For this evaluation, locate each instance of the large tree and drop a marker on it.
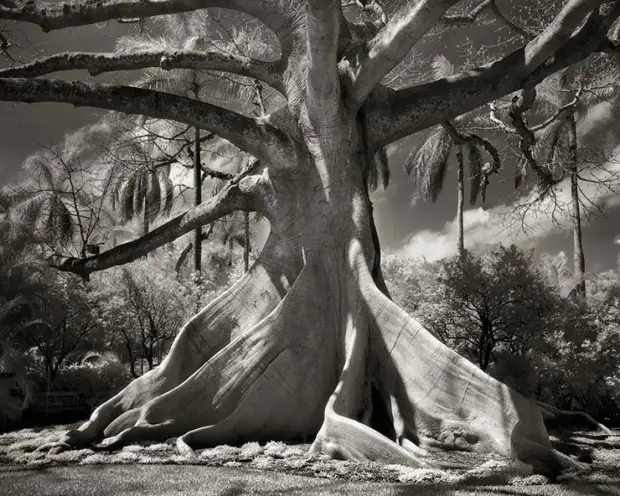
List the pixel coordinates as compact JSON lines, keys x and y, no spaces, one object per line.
{"x":306,"y":344}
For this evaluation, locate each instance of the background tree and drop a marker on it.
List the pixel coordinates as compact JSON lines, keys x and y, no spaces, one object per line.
{"x":497,"y":303}
{"x":553,"y":148}
{"x":59,"y":202}
{"x":23,"y":303}
{"x":143,"y":307}
{"x":71,"y":329}
{"x":428,"y":164}
{"x":317,"y":285}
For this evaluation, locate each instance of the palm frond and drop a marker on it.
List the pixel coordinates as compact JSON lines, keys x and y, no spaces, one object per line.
{"x":38,"y":168}
{"x":520,"y":172}
{"x":428,"y":164}
{"x":178,"y":81}
{"x":60,"y":220}
{"x":139,"y":193}
{"x":153,"y":196}
{"x":379,"y":171}
{"x":28,"y":211}
{"x":127,"y":210}
{"x":442,"y":67}
{"x":138,"y":43}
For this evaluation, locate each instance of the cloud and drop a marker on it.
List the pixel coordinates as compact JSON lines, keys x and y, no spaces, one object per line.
{"x":523,"y":221}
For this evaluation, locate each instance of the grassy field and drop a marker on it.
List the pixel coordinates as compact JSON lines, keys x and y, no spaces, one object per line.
{"x":277,"y":468}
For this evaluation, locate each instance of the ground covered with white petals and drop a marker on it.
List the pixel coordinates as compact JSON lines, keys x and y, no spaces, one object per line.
{"x":19,"y":449}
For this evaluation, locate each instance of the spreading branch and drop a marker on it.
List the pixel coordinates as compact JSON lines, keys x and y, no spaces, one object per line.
{"x":395,"y":114}
{"x":99,"y":63}
{"x":392,"y":44}
{"x":241,"y":193}
{"x":278,"y":15}
{"x":252,"y":135}
{"x":473,"y":15}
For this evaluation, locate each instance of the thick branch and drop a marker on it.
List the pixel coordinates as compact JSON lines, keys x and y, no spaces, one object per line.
{"x":99,"y":63}
{"x":557,"y":33}
{"x":395,"y":114}
{"x":472,"y":16}
{"x":395,"y":41}
{"x":250,"y":134}
{"x":240,"y":194}
{"x":279,"y":15}
{"x":323,"y":84}
{"x":466,"y":19}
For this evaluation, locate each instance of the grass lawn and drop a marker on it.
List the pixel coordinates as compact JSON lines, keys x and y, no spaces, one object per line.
{"x":277,"y":468}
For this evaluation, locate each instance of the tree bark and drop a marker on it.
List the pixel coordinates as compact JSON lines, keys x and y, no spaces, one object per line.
{"x":578,"y":253}
{"x":460,"y":202}
{"x":246,"y":243}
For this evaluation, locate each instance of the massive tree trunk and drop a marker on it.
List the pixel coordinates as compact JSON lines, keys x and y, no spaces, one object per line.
{"x":307,"y":344}
{"x":253,"y":364}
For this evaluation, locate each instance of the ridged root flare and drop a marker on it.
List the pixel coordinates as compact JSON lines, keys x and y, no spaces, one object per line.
{"x":330,"y":359}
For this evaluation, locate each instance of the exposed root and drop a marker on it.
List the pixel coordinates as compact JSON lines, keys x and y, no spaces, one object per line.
{"x":342,"y":435}
{"x":554,"y":417}
{"x":269,"y":383}
{"x":439,"y":399}
{"x":331,"y":355}
{"x":231,"y":315}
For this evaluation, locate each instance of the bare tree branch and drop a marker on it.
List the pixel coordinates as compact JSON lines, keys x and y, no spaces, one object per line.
{"x":250,"y":134}
{"x":99,"y":63}
{"x":395,"y":114}
{"x":395,"y":41}
{"x":241,"y":193}
{"x":466,"y":19}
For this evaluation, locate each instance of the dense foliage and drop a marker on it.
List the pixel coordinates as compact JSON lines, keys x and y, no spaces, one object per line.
{"x":502,"y":312}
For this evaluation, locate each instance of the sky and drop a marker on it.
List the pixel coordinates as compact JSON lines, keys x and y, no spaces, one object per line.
{"x":411,"y":227}
{"x":406,"y":225}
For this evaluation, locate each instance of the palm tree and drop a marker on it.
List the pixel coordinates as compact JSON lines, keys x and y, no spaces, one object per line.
{"x":146,"y":191}
{"x":429,"y":163}
{"x":46,"y":201}
{"x":192,"y":31}
{"x":60,"y":201}
{"x":559,"y":141}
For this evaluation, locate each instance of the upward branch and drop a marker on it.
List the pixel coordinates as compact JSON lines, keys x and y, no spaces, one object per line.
{"x":392,"y":44}
{"x":323,"y":82}
{"x":253,"y":135}
{"x":557,"y":33}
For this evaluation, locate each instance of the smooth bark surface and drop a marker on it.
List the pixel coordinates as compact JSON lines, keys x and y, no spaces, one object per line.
{"x":307,"y":346}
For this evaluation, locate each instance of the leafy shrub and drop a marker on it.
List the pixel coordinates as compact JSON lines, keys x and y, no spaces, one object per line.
{"x":93,"y":381}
